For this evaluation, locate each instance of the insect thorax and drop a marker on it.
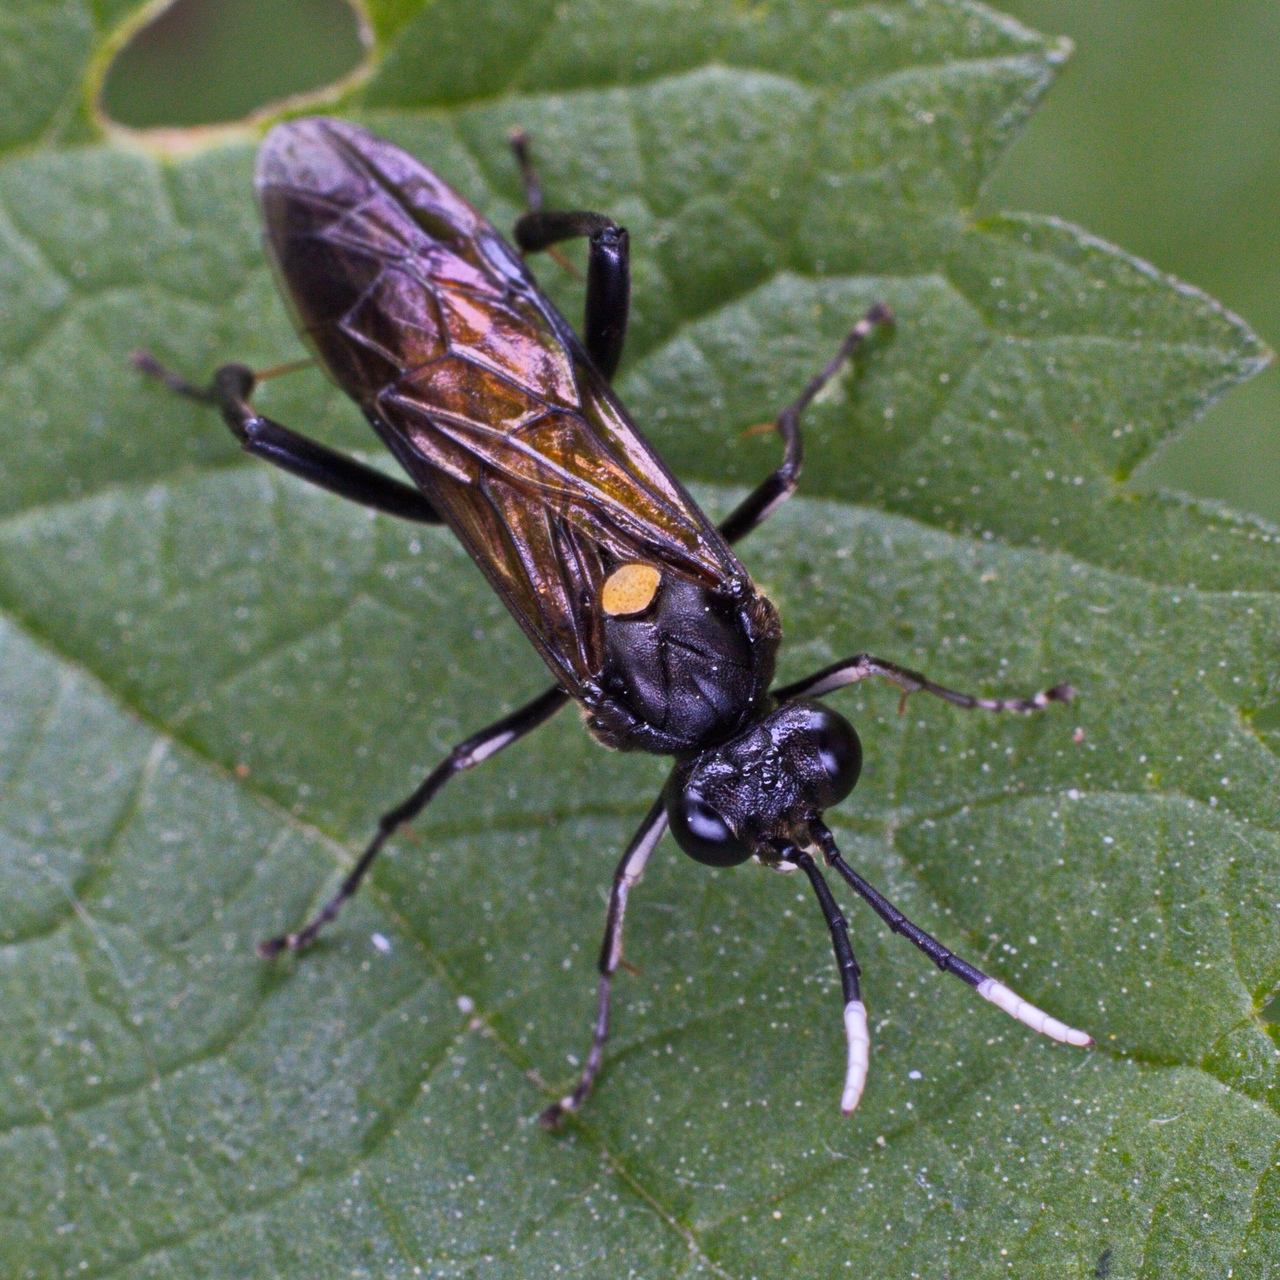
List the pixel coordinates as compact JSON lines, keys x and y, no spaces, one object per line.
{"x":687,"y":673}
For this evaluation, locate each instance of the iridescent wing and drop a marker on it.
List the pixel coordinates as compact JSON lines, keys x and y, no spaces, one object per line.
{"x":430,"y":321}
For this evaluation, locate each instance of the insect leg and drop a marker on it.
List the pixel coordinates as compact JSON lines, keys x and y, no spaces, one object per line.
{"x":608,"y":264}
{"x":519,"y":141}
{"x":851,"y":670}
{"x":465,"y":755}
{"x":229,"y":392}
{"x":628,"y":872}
{"x":855,"y":1012}
{"x":988,"y":988}
{"x":777,"y":487}
{"x":608,"y":275}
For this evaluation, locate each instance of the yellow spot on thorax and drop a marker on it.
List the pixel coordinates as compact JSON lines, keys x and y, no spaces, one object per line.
{"x":629,"y":590}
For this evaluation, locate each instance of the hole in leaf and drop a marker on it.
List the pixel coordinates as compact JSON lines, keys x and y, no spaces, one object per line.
{"x":204,"y":62}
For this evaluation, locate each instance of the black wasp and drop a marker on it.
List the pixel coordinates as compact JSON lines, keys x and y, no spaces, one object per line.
{"x":505,"y":421}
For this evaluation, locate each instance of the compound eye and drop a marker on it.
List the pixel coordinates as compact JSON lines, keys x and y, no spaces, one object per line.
{"x":839,"y":754}
{"x":700,"y":830}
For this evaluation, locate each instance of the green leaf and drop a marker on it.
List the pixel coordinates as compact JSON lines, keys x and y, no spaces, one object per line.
{"x":213,"y":680}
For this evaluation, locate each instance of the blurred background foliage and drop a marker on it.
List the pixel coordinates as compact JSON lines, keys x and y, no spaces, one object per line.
{"x":1162,"y":134}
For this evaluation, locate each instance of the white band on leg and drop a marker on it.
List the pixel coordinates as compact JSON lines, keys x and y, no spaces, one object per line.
{"x":1014,"y":1005}
{"x":855,"y":1029}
